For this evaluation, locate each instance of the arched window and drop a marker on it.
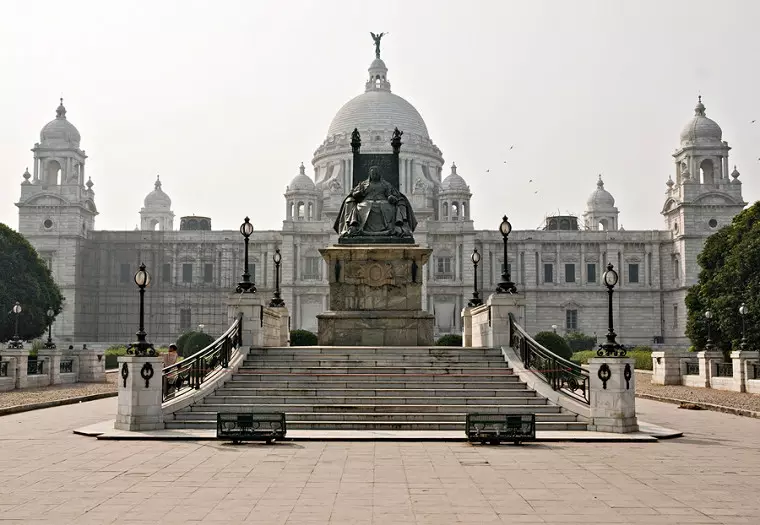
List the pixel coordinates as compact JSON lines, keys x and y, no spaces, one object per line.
{"x":602,"y":226}
{"x":154,"y":225}
{"x":445,"y":208}
{"x":53,"y":170}
{"x":291,"y":210}
{"x":310,"y":214}
{"x":706,"y":170}
{"x":454,"y":211}
{"x":301,"y":211}
{"x":463,"y":209}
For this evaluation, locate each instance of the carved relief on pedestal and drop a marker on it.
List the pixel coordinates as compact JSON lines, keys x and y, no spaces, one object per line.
{"x":373,"y":274}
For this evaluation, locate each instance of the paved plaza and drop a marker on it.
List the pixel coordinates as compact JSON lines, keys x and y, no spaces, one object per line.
{"x":50,"y":475}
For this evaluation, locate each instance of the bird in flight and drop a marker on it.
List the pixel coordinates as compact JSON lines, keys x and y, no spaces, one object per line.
{"x":488,"y":171}
{"x":531,"y":180}
{"x":511,"y":147}
{"x":752,"y":121}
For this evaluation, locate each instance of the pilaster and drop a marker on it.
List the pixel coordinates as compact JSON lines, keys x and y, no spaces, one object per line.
{"x":21,"y":361}
{"x":668,"y":366}
{"x":140,"y":394}
{"x":53,"y":356}
{"x":708,"y":360}
{"x":742,"y":359}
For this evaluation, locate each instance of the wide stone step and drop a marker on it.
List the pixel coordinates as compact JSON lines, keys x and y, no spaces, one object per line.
{"x":381,"y":425}
{"x":525,"y":406}
{"x":262,"y":368}
{"x":376,"y":379}
{"x":376,"y":351}
{"x":428,"y":393}
{"x":331,"y":383}
{"x":325,"y":361}
{"x":322,"y":399}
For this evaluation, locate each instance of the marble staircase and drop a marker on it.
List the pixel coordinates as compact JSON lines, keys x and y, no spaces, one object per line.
{"x":366,"y":388}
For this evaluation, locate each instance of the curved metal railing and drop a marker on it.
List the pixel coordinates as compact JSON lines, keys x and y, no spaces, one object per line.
{"x":563,"y":375}
{"x":190,"y":373}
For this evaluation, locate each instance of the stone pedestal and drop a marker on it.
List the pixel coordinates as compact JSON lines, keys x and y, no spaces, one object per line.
{"x":467,"y":326}
{"x":92,"y":364}
{"x":668,"y":366}
{"x":140,"y":394}
{"x":53,"y":362}
{"x":251,"y":306}
{"x":276,"y":323}
{"x":707,"y":366}
{"x":375,"y":296}
{"x":21,"y":361}
{"x":742,"y":360}
{"x":612,"y":395}
{"x":490,"y":322}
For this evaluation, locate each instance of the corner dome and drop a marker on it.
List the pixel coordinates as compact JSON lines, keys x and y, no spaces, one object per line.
{"x":701,"y":129}
{"x":454,"y":181}
{"x":302,"y":182}
{"x":60,"y":133}
{"x":600,"y":199}
{"x":157,"y":198}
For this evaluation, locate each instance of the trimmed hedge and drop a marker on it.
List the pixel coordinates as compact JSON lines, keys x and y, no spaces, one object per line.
{"x":195,"y":343}
{"x":642,"y":356}
{"x":449,"y":340}
{"x":579,"y":341}
{"x":303,"y":338}
{"x":554,"y":343}
{"x":114,"y":352}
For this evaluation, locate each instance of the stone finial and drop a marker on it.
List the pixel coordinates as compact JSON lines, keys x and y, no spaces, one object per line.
{"x":89,"y":184}
{"x":600,"y":182}
{"x":26,"y":176}
{"x":735,"y":174}
{"x":157,"y":185}
{"x":670,"y":182}
{"x":302,"y":169}
{"x":60,"y":111}
{"x":699,"y":109}
{"x":453,"y":168}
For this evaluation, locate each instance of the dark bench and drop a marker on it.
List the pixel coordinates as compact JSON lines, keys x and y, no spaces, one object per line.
{"x":495,"y":428}
{"x":252,"y":426}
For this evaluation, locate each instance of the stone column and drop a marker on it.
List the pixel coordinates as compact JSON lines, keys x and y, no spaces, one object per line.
{"x":251,"y":306}
{"x":501,"y":305}
{"x":53,"y":362}
{"x":140,"y":394}
{"x":613,"y":395}
{"x":668,"y":366}
{"x":21,"y":360}
{"x":467,"y":326}
{"x":741,"y":359}
{"x":707,"y":360}
{"x":92,"y":364}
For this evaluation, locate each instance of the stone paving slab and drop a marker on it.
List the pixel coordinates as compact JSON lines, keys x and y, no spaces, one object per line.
{"x":105,"y":430}
{"x":49,"y":475}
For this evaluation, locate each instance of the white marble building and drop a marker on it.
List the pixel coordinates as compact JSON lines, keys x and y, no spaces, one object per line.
{"x":558,"y":267}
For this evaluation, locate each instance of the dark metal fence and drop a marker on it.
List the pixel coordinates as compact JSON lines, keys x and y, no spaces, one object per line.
{"x":67,"y":366}
{"x":558,"y":372}
{"x":755,"y":371}
{"x":3,"y":368}
{"x":692,"y":368}
{"x":34,"y":367}
{"x":724,"y":370}
{"x":191,"y":372}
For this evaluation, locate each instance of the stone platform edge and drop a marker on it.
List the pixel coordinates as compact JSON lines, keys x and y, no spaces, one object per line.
{"x":17,"y":409}
{"x":707,"y":406}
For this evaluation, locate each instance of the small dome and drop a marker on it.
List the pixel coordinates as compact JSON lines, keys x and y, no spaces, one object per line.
{"x":600,"y":199}
{"x":60,"y":133}
{"x":302,"y":182}
{"x":377,"y":64}
{"x":454,"y":182}
{"x":701,"y":129}
{"x":157,"y":198}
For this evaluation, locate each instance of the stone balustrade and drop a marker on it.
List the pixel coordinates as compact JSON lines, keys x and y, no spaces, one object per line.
{"x":708,"y":369}
{"x":50,"y":367}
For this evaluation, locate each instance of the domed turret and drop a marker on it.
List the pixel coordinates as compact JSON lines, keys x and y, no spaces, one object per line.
{"x":701,"y":129}
{"x":601,"y":213}
{"x":454,"y":181}
{"x":301,"y":198}
{"x":454,"y":197}
{"x":157,"y":198}
{"x":301,"y":182}
{"x":59,"y":132}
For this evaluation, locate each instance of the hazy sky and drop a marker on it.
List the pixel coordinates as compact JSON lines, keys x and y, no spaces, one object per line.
{"x":224,"y":99}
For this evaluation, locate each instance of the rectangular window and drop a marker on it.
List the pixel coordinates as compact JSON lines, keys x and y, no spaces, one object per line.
{"x":312,"y":267}
{"x":591,"y":272}
{"x":675,"y":316}
{"x":185,"y":319}
{"x":569,"y":273}
{"x":676,"y":269}
{"x":548,"y":273}
{"x":633,"y":273}
{"x":124,"y":273}
{"x":166,"y":273}
{"x":187,"y":273}
{"x":208,"y":273}
{"x":443,"y":268}
{"x":571,"y":320}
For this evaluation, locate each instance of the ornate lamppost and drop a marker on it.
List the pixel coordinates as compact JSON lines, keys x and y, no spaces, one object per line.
{"x":142,"y":347}
{"x":554,"y":328}
{"x":506,"y":285}
{"x":277,"y":301}
{"x":476,"y":300}
{"x":246,"y":285}
{"x":16,"y":343}
{"x":610,"y":348}
{"x":50,"y":345}
{"x":709,"y":316}
{"x":743,"y":311}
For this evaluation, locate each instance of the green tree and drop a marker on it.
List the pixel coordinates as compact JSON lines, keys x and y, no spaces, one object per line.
{"x":555,"y":343}
{"x":729,"y":276}
{"x":25,"y":278}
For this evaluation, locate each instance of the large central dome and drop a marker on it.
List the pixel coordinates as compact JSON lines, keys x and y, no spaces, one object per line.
{"x":377,"y":109}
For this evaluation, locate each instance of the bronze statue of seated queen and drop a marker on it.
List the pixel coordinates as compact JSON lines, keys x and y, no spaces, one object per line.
{"x":375,"y":213}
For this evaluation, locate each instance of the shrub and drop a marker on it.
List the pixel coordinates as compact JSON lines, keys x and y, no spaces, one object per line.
{"x":449,"y":340}
{"x":195,"y":342}
{"x":303,"y":338}
{"x":579,"y":341}
{"x":112,"y":354}
{"x":583,"y":356}
{"x":182,"y":339}
{"x":554,"y":343}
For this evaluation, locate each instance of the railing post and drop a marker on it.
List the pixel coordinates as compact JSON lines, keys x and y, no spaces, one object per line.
{"x":612,"y":395}
{"x":140,"y":393}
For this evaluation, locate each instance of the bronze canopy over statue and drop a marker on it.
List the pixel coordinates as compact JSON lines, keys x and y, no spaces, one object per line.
{"x":375,"y":212}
